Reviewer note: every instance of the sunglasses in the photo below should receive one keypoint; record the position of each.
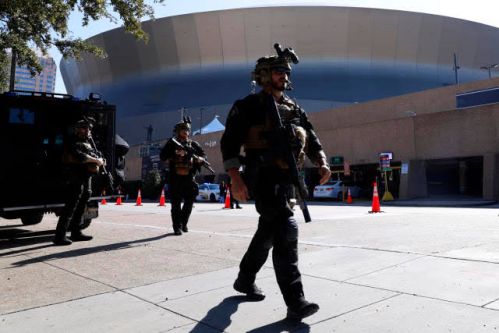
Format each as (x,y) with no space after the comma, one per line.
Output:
(281,70)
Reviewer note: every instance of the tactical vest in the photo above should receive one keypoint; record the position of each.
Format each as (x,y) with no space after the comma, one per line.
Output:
(258,135)
(86,148)
(183,164)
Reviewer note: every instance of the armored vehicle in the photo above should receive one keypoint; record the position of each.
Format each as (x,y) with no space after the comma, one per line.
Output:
(33,129)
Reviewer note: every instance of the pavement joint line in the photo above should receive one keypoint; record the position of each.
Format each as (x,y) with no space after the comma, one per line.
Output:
(320,244)
(169,310)
(175,328)
(55,303)
(115,289)
(356,309)
(402,292)
(483,306)
(314,243)
(384,268)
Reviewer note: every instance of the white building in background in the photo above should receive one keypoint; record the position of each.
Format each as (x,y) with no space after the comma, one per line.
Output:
(43,82)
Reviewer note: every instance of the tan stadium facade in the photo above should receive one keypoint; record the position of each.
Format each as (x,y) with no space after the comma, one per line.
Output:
(202,61)
(437,148)
(367,78)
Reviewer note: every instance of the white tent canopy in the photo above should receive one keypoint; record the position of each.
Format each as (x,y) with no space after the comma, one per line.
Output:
(214,126)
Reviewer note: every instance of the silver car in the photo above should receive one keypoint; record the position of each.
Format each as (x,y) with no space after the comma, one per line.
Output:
(208,192)
(334,190)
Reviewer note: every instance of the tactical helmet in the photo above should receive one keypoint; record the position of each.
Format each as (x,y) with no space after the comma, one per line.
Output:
(185,124)
(85,122)
(281,63)
(265,66)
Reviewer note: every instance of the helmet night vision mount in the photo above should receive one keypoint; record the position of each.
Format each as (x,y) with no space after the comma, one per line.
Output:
(265,65)
(185,124)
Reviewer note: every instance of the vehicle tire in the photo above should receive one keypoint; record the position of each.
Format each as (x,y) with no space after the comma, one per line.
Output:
(32,218)
(213,198)
(85,223)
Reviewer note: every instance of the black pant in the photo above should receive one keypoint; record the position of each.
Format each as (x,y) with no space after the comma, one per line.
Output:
(276,228)
(183,188)
(78,191)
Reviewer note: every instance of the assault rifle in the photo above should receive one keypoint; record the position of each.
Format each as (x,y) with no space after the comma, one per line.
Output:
(108,177)
(192,153)
(282,136)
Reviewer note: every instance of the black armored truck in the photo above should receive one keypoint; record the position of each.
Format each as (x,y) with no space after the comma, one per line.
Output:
(33,129)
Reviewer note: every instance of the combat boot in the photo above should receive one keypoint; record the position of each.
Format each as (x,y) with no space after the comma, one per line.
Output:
(251,290)
(61,241)
(78,236)
(301,309)
(177,231)
(184,228)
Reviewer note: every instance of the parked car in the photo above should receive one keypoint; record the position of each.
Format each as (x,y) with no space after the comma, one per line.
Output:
(208,191)
(334,190)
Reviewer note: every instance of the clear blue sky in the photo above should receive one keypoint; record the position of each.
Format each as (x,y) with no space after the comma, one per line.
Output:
(482,11)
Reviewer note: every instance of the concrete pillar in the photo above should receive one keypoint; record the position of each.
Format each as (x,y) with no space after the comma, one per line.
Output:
(413,184)
(462,177)
(491,176)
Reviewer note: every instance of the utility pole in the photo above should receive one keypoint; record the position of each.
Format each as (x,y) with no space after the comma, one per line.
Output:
(182,113)
(201,121)
(489,67)
(456,67)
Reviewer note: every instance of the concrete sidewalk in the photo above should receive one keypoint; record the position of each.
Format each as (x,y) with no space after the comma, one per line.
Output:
(406,270)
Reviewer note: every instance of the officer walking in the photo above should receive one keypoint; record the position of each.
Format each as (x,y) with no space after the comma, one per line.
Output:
(186,157)
(267,178)
(81,163)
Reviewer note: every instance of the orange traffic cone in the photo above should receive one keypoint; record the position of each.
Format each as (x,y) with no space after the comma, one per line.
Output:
(349,198)
(139,199)
(162,198)
(376,207)
(227,199)
(118,200)
(103,201)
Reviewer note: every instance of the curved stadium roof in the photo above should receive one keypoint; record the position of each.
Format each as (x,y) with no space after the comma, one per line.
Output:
(348,55)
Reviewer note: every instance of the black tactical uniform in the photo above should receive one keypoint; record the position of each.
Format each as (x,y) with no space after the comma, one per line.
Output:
(182,184)
(78,178)
(268,180)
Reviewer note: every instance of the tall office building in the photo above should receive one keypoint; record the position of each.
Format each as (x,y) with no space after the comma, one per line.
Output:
(43,82)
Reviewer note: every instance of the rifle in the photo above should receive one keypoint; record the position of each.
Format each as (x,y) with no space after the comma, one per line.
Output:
(282,137)
(109,181)
(191,152)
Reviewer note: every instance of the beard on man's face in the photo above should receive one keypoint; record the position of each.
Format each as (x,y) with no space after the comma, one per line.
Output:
(279,85)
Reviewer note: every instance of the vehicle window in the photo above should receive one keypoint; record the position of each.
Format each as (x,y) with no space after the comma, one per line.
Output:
(21,116)
(213,187)
(202,187)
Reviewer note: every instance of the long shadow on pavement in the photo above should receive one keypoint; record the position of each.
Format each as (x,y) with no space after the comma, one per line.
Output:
(13,238)
(284,325)
(88,250)
(219,317)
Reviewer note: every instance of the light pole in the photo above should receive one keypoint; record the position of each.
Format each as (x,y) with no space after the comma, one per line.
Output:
(182,113)
(456,67)
(489,67)
(201,121)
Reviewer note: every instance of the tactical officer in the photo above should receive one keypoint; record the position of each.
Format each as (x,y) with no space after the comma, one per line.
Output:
(186,157)
(268,179)
(81,163)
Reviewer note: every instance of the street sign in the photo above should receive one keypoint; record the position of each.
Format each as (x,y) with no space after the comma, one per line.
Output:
(337,160)
(384,161)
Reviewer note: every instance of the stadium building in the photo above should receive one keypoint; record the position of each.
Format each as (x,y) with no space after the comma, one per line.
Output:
(377,61)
